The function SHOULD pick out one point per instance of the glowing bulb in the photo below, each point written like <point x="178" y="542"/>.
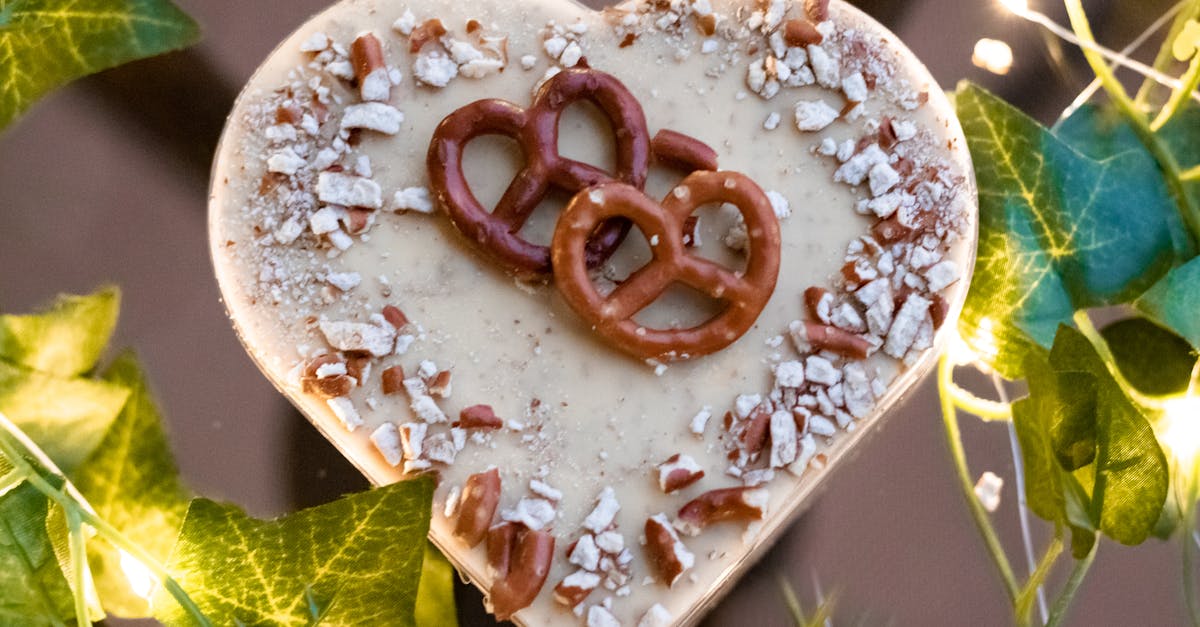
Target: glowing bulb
<point x="141" y="580"/>
<point x="1016" y="6"/>
<point x="993" y="55"/>
<point x="1179" y="429"/>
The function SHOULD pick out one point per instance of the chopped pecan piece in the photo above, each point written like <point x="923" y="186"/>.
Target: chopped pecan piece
<point x="479" y="417"/>
<point x="738" y="504"/>
<point x="520" y="558"/>
<point x="480" y="496"/>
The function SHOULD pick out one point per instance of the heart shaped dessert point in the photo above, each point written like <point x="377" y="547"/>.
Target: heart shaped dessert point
<point x="422" y="221"/>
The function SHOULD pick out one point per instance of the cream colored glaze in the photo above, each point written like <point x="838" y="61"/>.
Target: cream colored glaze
<point x="611" y="419"/>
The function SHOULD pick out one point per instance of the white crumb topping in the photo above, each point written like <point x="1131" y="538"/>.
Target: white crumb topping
<point x="779" y="204"/>
<point x="656" y="616"/>
<point x="413" y="199"/>
<point x="598" y="616"/>
<point x="337" y="188"/>
<point x="345" y="411"/>
<point x="855" y="170"/>
<point x="987" y="490"/>
<point x="808" y="448"/>
<point x="543" y="489"/>
<point x="683" y="462"/>
<point x="386" y="439"/>
<point x="602" y="515"/>
<point x="533" y="513"/>
<point x="554" y="46"/>
<point x="571" y="55"/>
<point x="814" y="115"/>
<point x="426" y="409"/>
<point x="528" y="61"/>
<point x="745" y="404"/>
<point x="375" y="339"/>
<point x="904" y="129"/>
<point x="610" y="542"/>
<point x="824" y="67"/>
<point x="820" y="370"/>
<point x="856" y="390"/>
<point x="435" y="68"/>
<point x="373" y="116"/>
<point x="452" y="502"/>
<point x="789" y="374"/>
<point x="905" y="326"/>
<point x="285" y="161"/>
<point x="883" y="178"/>
<point x="941" y="276"/>
<point x="855" y="87"/>
<point x="376" y="86"/>
<point x="783" y="439"/>
<point x="412" y="439"/>
<point x="586" y="554"/>
<point x="344" y="281"/>
<point x="700" y="421"/>
<point x="406" y="23"/>
<point x="820" y="425"/>
<point x="324" y="371"/>
<point x="316" y="42"/>
<point x="581" y="579"/>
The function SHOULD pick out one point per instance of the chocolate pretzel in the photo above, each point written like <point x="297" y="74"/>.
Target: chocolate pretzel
<point x="744" y="294"/>
<point x="536" y="130"/>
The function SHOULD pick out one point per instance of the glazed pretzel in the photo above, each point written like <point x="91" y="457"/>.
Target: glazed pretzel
<point x="744" y="294"/>
<point x="536" y="130"/>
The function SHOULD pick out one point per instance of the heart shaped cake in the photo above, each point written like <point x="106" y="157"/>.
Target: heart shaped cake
<point x="629" y="282"/>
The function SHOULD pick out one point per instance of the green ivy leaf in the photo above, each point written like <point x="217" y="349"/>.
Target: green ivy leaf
<point x="1131" y="470"/>
<point x="1057" y="233"/>
<point x="1032" y="417"/>
<point x="1152" y="359"/>
<point x="66" y="417"/>
<point x="132" y="482"/>
<point x="68" y="338"/>
<point x="47" y="43"/>
<point x="33" y="590"/>
<point x="1174" y="302"/>
<point x="435" y="597"/>
<point x="1092" y="461"/>
<point x="361" y="554"/>
<point x="1102" y="132"/>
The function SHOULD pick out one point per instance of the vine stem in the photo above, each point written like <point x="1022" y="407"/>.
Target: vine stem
<point x="983" y="408"/>
<point x="1084" y="323"/>
<point x="1023" y="510"/>
<point x="1165" y="53"/>
<point x="1127" y="107"/>
<point x="15" y="445"/>
<point x="77" y="548"/>
<point x="1078" y="573"/>
<point x="1186" y="472"/>
<point x="959" y="456"/>
<point x="1095" y="85"/>
<point x="1191" y="79"/>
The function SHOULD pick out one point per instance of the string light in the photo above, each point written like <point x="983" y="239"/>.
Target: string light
<point x="1179" y="429"/>
<point x="1021" y="9"/>
<point x="1018" y="7"/>
<point x="993" y="55"/>
<point x="141" y="580"/>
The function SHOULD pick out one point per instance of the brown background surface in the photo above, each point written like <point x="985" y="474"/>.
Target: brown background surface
<point x="105" y="182"/>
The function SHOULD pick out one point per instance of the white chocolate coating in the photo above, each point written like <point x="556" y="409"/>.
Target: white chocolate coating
<point x="602" y="419"/>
